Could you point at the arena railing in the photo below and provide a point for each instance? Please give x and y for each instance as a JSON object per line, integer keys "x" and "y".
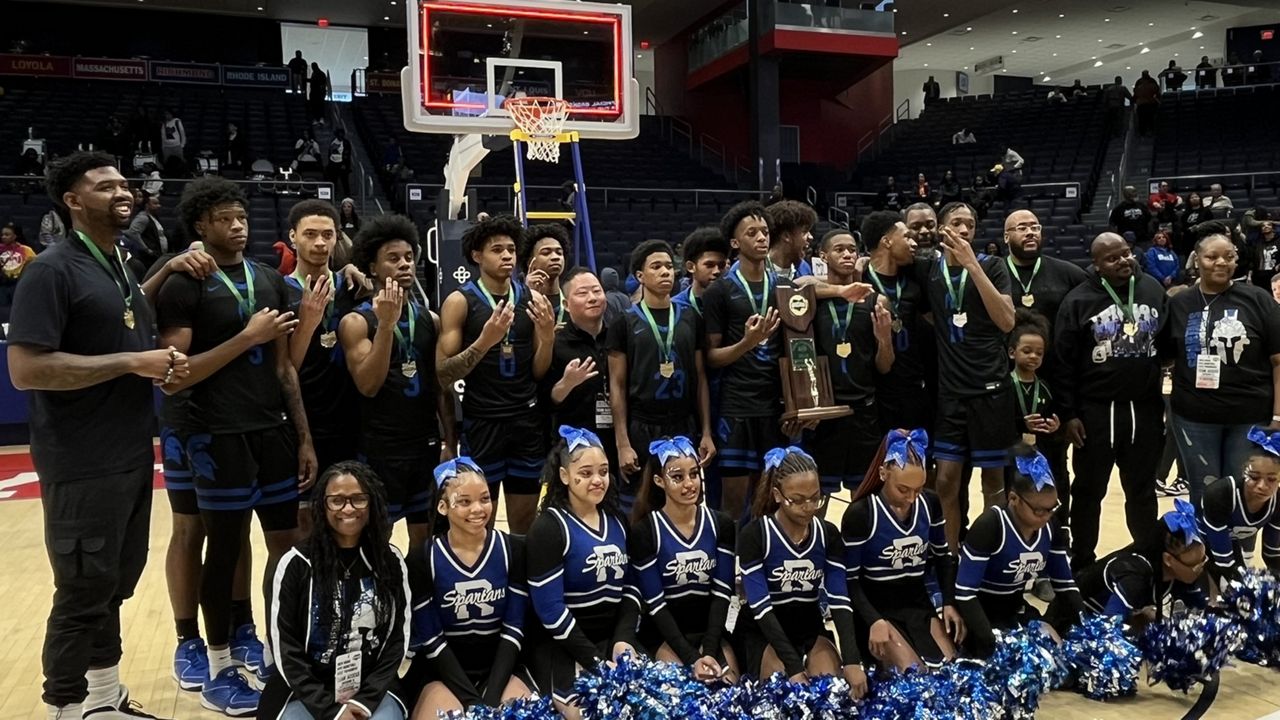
{"x": 426, "y": 192}
{"x": 276, "y": 186}
{"x": 855, "y": 201}
{"x": 1212, "y": 178}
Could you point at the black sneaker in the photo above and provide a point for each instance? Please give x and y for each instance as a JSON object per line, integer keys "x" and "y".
{"x": 125, "y": 708}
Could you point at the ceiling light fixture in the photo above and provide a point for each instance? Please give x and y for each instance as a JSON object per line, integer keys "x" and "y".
{"x": 1015, "y": 11}
{"x": 1197, "y": 35}
{"x": 1015, "y": 32}
{"x": 1144, "y": 51}
{"x": 926, "y": 64}
{"x": 1046, "y": 79}
{"x": 1106, "y": 19}
{"x": 1098, "y": 64}
{"x": 904, "y": 32}
{"x": 386, "y": 17}
{"x": 946, "y": 14}
{"x": 1061, "y": 15}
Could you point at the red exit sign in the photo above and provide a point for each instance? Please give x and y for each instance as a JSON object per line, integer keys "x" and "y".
{"x": 1268, "y": 34}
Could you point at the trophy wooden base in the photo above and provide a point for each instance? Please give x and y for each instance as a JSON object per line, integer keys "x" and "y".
{"x": 799, "y": 402}
{"x": 818, "y": 413}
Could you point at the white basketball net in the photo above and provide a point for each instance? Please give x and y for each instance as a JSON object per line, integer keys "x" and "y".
{"x": 542, "y": 119}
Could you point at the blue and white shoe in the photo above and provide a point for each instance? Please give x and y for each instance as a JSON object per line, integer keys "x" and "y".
{"x": 247, "y": 652}
{"x": 229, "y": 693}
{"x": 191, "y": 664}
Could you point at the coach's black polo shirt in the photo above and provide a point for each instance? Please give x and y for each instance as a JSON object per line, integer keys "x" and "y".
{"x": 69, "y": 303}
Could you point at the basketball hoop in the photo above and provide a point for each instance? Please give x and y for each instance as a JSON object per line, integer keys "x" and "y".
{"x": 541, "y": 119}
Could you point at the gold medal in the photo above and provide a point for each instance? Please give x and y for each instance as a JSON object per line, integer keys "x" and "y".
{"x": 844, "y": 349}
{"x": 1131, "y": 329}
{"x": 129, "y": 320}
{"x": 1028, "y": 300}
{"x": 897, "y": 325}
{"x": 508, "y": 351}
{"x": 409, "y": 369}
{"x": 328, "y": 340}
{"x": 666, "y": 369}
{"x": 960, "y": 319}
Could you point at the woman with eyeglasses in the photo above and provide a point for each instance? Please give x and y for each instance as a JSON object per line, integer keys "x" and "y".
{"x": 790, "y": 557}
{"x": 894, "y": 536}
{"x": 683, "y": 553}
{"x": 1234, "y": 509}
{"x": 1009, "y": 546}
{"x": 580, "y": 577}
{"x": 1136, "y": 582}
{"x": 1224, "y": 339}
{"x": 339, "y": 608}
{"x": 469, "y": 601}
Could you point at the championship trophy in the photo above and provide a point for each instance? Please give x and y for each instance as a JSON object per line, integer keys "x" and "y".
{"x": 806, "y": 380}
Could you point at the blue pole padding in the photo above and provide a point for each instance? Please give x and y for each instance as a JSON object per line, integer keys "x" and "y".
{"x": 584, "y": 218}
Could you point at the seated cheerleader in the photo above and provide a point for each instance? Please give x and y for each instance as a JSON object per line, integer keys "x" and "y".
{"x": 339, "y": 615}
{"x": 893, "y": 534}
{"x": 790, "y": 557}
{"x": 1009, "y": 547}
{"x": 683, "y": 553}
{"x": 580, "y": 578}
{"x": 1139, "y": 582}
{"x": 1233, "y": 509}
{"x": 469, "y": 601}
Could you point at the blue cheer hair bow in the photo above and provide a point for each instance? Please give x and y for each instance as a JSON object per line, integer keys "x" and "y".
{"x": 774, "y": 457}
{"x": 1182, "y": 520}
{"x": 1036, "y": 468}
{"x": 902, "y": 445}
{"x": 1265, "y": 439}
{"x": 449, "y": 469}
{"x": 577, "y": 438}
{"x": 678, "y": 446}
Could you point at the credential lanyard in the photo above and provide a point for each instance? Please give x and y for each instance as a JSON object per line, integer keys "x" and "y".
{"x": 406, "y": 346}
{"x": 248, "y": 306}
{"x": 666, "y": 345}
{"x": 126, "y": 291}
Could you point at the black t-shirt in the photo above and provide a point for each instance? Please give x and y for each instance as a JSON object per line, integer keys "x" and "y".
{"x": 499, "y": 388}
{"x": 400, "y": 420}
{"x": 175, "y": 409}
{"x": 972, "y": 360}
{"x": 328, "y": 393}
{"x": 1131, "y": 216}
{"x": 67, "y": 302}
{"x": 751, "y": 385}
{"x": 1031, "y": 398}
{"x": 914, "y": 344}
{"x": 579, "y": 407}
{"x": 651, "y": 397}
{"x": 1241, "y": 327}
{"x": 1050, "y": 285}
{"x": 853, "y": 376}
{"x": 244, "y": 395}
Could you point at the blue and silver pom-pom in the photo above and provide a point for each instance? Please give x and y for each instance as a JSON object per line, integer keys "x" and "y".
{"x": 778, "y": 698}
{"x": 635, "y": 687}
{"x": 1105, "y": 662}
{"x": 533, "y": 708}
{"x": 1189, "y": 648}
{"x": 1026, "y": 664}
{"x": 956, "y": 691}
{"x": 1253, "y": 599}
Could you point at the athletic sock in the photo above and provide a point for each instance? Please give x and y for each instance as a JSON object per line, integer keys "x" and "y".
{"x": 66, "y": 712}
{"x": 219, "y": 660}
{"x": 188, "y": 629}
{"x": 241, "y": 614}
{"x": 104, "y": 687}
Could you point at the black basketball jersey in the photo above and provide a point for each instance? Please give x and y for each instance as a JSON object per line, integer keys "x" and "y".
{"x": 500, "y": 385}
{"x": 750, "y": 386}
{"x": 400, "y": 421}
{"x": 844, "y": 334}
{"x": 912, "y": 336}
{"x": 328, "y": 393}
{"x": 244, "y": 395}
{"x": 653, "y": 395}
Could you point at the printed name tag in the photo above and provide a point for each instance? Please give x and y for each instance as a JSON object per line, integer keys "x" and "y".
{"x": 1208, "y": 371}
{"x": 604, "y": 414}
{"x": 346, "y": 676}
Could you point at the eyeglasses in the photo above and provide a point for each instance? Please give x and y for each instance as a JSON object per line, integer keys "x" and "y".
{"x": 1027, "y": 227}
{"x": 1039, "y": 511}
{"x": 818, "y": 502}
{"x": 336, "y": 502}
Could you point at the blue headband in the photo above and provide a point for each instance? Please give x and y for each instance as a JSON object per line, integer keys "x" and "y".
{"x": 678, "y": 446}
{"x": 1181, "y": 520}
{"x": 449, "y": 469}
{"x": 1269, "y": 441}
{"x": 774, "y": 457}
{"x": 902, "y": 445}
{"x": 1036, "y": 468}
{"x": 576, "y": 438}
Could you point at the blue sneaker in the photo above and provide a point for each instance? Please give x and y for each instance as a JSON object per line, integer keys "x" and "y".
{"x": 247, "y": 652}
{"x": 191, "y": 664}
{"x": 229, "y": 693}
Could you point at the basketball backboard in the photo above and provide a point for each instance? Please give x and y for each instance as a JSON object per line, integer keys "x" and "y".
{"x": 468, "y": 56}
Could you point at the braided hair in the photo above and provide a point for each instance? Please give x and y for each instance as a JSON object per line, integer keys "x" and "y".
{"x": 794, "y": 463}
{"x": 438, "y": 522}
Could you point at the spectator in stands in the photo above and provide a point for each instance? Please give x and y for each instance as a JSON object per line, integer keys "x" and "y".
{"x": 1266, "y": 247}
{"x": 338, "y": 169}
{"x": 149, "y": 231}
{"x": 1258, "y": 72}
{"x": 297, "y": 73}
{"x": 963, "y": 137}
{"x": 932, "y": 91}
{"x": 1114, "y": 97}
{"x": 1164, "y": 205}
{"x": 114, "y": 139}
{"x": 1055, "y": 96}
{"x": 1161, "y": 262}
{"x": 14, "y": 256}
{"x": 1218, "y": 205}
{"x": 949, "y": 190}
{"x": 1173, "y": 77}
{"x": 992, "y": 249}
{"x": 154, "y": 184}
{"x": 1078, "y": 89}
{"x": 1232, "y": 73}
{"x": 1206, "y": 73}
{"x": 173, "y": 141}
{"x": 889, "y": 198}
{"x": 1252, "y": 220}
{"x": 921, "y": 193}
{"x": 619, "y": 302}
{"x": 29, "y": 163}
{"x": 236, "y": 148}
{"x": 1146, "y": 100}
{"x": 1012, "y": 160}
{"x": 142, "y": 131}
{"x": 1008, "y": 183}
{"x": 349, "y": 220}
{"x": 286, "y": 257}
{"x": 1193, "y": 215}
{"x": 1275, "y": 287}
{"x": 1130, "y": 215}
{"x": 307, "y": 153}
{"x": 53, "y": 229}
{"x": 319, "y": 94}
{"x": 392, "y": 157}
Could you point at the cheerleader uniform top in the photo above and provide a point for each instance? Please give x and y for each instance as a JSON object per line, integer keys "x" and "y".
{"x": 1225, "y": 521}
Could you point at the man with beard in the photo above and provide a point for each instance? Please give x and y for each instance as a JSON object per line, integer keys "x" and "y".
{"x": 1108, "y": 386}
{"x": 543, "y": 252}
{"x": 83, "y": 342}
{"x": 922, "y": 228}
{"x": 499, "y": 335}
{"x": 1039, "y": 285}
